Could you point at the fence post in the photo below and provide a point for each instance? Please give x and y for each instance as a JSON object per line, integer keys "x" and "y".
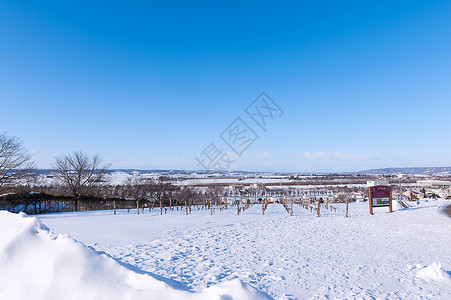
{"x": 319, "y": 205}
{"x": 347, "y": 206}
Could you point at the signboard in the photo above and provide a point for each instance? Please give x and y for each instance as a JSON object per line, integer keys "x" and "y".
{"x": 380, "y": 195}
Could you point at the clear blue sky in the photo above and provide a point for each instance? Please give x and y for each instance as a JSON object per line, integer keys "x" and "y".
{"x": 149, "y": 85}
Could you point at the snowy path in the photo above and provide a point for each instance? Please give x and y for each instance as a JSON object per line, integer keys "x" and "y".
{"x": 294, "y": 257}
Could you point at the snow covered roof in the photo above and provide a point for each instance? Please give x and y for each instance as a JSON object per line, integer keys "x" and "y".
{"x": 377, "y": 182}
{"x": 432, "y": 182}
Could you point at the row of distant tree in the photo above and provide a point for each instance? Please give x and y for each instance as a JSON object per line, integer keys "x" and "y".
{"x": 79, "y": 177}
{"x": 82, "y": 182}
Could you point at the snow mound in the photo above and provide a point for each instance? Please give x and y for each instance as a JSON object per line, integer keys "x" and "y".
{"x": 37, "y": 264}
{"x": 396, "y": 205}
{"x": 434, "y": 272}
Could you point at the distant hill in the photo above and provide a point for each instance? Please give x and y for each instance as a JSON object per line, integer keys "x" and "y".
{"x": 408, "y": 170}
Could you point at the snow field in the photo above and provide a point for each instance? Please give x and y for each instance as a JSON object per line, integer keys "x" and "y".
{"x": 37, "y": 264}
{"x": 298, "y": 257}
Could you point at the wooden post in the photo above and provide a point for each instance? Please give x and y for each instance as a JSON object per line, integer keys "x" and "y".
{"x": 347, "y": 206}
{"x": 161, "y": 209}
{"x": 186, "y": 208}
{"x": 137, "y": 206}
{"x": 370, "y": 201}
{"x": 391, "y": 207}
{"x": 114, "y": 206}
{"x": 319, "y": 205}
{"x": 291, "y": 207}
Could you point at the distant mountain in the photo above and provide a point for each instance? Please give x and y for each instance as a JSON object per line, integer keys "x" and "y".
{"x": 172, "y": 171}
{"x": 408, "y": 170}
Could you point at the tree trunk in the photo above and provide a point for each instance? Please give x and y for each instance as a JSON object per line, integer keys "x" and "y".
{"x": 347, "y": 207}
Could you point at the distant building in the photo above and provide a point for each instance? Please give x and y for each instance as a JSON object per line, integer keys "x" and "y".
{"x": 236, "y": 188}
{"x": 440, "y": 184}
{"x": 261, "y": 186}
{"x": 357, "y": 197}
{"x": 377, "y": 182}
{"x": 412, "y": 195}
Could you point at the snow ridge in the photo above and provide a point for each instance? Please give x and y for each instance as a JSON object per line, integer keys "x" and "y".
{"x": 35, "y": 263}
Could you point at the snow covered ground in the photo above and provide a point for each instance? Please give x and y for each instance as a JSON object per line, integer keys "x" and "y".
{"x": 404, "y": 255}
{"x": 38, "y": 264}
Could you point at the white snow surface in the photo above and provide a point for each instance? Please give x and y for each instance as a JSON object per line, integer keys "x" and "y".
{"x": 434, "y": 272}
{"x": 37, "y": 264}
{"x": 297, "y": 257}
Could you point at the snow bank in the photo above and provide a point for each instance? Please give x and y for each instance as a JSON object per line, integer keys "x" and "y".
{"x": 434, "y": 272}
{"x": 37, "y": 264}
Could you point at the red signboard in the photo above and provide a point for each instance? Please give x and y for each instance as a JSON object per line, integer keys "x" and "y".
{"x": 380, "y": 196}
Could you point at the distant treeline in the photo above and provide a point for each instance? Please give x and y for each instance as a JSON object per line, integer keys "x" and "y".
{"x": 42, "y": 202}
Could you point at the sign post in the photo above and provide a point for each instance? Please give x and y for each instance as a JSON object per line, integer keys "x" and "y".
{"x": 380, "y": 196}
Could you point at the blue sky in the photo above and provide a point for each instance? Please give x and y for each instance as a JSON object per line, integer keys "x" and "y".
{"x": 150, "y": 85}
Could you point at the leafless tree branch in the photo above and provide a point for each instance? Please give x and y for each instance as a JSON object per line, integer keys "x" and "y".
{"x": 15, "y": 161}
{"x": 80, "y": 173}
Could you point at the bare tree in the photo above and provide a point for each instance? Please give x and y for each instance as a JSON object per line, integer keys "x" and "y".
{"x": 157, "y": 190}
{"x": 136, "y": 189}
{"x": 114, "y": 192}
{"x": 213, "y": 193}
{"x": 183, "y": 196}
{"x": 80, "y": 173}
{"x": 15, "y": 161}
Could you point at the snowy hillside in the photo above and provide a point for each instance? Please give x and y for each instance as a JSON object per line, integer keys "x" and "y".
{"x": 37, "y": 264}
{"x": 401, "y": 255}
